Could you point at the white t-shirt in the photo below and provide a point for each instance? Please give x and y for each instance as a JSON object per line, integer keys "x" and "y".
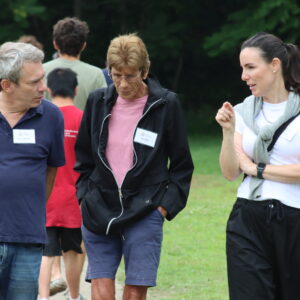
{"x": 286, "y": 151}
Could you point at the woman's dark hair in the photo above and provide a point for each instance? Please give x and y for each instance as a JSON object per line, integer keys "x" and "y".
{"x": 271, "y": 46}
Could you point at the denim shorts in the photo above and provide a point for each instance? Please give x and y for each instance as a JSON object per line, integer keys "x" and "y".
{"x": 19, "y": 270}
{"x": 140, "y": 245}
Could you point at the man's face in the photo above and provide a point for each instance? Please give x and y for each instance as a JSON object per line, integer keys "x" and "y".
{"x": 29, "y": 91}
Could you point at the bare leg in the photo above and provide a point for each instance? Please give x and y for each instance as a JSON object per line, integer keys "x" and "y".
{"x": 103, "y": 289}
{"x": 73, "y": 266}
{"x": 45, "y": 276}
{"x": 134, "y": 292}
{"x": 56, "y": 268}
{"x": 83, "y": 255}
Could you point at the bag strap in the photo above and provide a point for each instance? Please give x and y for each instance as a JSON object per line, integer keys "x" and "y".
{"x": 277, "y": 134}
{"x": 280, "y": 130}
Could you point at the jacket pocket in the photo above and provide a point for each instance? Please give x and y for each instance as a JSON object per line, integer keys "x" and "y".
{"x": 145, "y": 199}
{"x": 95, "y": 212}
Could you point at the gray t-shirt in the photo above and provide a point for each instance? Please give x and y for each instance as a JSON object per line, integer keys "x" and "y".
{"x": 89, "y": 78}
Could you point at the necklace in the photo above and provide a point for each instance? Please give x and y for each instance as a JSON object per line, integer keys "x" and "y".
{"x": 268, "y": 121}
{"x": 263, "y": 113}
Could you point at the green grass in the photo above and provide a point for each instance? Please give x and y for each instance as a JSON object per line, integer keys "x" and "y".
{"x": 205, "y": 151}
{"x": 193, "y": 262}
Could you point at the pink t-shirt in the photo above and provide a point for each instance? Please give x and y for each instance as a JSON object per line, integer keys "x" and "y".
{"x": 122, "y": 123}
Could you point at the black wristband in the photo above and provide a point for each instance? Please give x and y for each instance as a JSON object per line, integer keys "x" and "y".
{"x": 260, "y": 169}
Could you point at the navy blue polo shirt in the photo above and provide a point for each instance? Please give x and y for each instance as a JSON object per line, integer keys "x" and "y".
{"x": 36, "y": 142}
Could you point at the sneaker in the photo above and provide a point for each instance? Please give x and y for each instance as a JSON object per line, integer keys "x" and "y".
{"x": 57, "y": 286}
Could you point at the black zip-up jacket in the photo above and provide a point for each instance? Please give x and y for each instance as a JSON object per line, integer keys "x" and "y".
{"x": 160, "y": 175}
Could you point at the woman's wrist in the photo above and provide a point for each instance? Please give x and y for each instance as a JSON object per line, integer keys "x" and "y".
{"x": 260, "y": 167}
{"x": 228, "y": 131}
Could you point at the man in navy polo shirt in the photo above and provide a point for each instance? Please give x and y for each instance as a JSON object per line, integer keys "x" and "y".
{"x": 31, "y": 148}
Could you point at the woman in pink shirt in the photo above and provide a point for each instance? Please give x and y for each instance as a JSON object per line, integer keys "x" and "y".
{"x": 136, "y": 167}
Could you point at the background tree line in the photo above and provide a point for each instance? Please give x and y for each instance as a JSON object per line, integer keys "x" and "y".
{"x": 193, "y": 45}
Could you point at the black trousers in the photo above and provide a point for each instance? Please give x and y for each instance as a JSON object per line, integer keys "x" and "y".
{"x": 263, "y": 251}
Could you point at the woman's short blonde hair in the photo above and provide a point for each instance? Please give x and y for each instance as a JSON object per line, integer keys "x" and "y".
{"x": 128, "y": 51}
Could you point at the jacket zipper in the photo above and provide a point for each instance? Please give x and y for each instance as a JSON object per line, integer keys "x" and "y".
{"x": 119, "y": 187}
{"x": 135, "y": 155}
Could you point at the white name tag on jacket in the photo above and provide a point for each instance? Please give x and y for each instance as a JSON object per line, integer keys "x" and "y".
{"x": 145, "y": 137}
{"x": 24, "y": 136}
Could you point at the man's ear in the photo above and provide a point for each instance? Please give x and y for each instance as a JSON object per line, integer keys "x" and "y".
{"x": 55, "y": 45}
{"x": 7, "y": 85}
{"x": 83, "y": 46}
{"x": 76, "y": 91}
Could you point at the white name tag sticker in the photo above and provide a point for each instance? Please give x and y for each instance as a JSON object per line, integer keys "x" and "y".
{"x": 24, "y": 136}
{"x": 145, "y": 137}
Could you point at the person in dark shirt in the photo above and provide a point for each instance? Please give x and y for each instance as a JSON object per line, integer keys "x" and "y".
{"x": 128, "y": 134}
{"x": 32, "y": 147}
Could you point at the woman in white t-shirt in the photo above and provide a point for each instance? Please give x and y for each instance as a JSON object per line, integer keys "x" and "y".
{"x": 263, "y": 230}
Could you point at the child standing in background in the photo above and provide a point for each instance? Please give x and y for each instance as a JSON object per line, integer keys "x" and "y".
{"x": 63, "y": 212}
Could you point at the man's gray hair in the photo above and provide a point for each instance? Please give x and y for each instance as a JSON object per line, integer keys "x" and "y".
{"x": 13, "y": 55}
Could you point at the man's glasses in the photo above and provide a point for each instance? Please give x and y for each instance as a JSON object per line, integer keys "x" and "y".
{"x": 127, "y": 78}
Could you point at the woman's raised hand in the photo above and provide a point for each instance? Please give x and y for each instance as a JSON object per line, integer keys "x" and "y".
{"x": 226, "y": 117}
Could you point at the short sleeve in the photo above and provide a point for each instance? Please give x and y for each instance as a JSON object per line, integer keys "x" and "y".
{"x": 56, "y": 157}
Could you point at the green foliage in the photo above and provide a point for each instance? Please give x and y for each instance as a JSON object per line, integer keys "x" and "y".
{"x": 15, "y": 15}
{"x": 278, "y": 16}
{"x": 23, "y": 9}
{"x": 193, "y": 45}
{"x": 173, "y": 31}
{"x": 201, "y": 120}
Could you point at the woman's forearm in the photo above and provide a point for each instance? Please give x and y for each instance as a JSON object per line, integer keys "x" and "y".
{"x": 229, "y": 162}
